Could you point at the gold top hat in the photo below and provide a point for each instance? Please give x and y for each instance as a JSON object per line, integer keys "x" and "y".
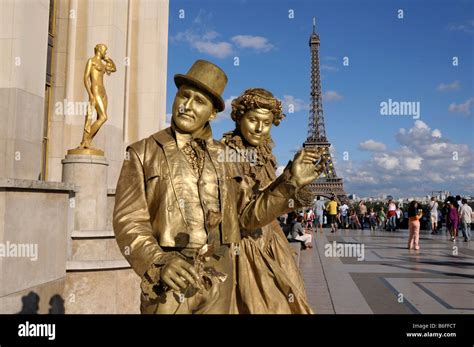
{"x": 208, "y": 77}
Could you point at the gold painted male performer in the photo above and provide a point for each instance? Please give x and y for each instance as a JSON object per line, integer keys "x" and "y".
{"x": 177, "y": 213}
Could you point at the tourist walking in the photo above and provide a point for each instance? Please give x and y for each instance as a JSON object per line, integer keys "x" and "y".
{"x": 344, "y": 215}
{"x": 399, "y": 215}
{"x": 372, "y": 219}
{"x": 453, "y": 219}
{"x": 355, "y": 223}
{"x": 382, "y": 218}
{"x": 465, "y": 218}
{"x": 433, "y": 207}
{"x": 332, "y": 212}
{"x": 309, "y": 218}
{"x": 414, "y": 214}
{"x": 362, "y": 213}
{"x": 319, "y": 208}
{"x": 392, "y": 216}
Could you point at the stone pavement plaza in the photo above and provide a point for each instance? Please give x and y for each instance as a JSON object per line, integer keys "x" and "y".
{"x": 390, "y": 278}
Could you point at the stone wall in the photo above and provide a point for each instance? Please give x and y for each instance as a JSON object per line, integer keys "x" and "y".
{"x": 75, "y": 271}
{"x": 23, "y": 53}
{"x": 37, "y": 214}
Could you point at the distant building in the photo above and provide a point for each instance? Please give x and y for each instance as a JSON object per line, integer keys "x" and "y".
{"x": 440, "y": 194}
{"x": 353, "y": 197}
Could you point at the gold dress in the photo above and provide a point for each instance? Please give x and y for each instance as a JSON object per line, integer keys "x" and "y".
{"x": 267, "y": 277}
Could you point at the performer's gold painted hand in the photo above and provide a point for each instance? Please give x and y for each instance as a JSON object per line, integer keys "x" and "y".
{"x": 179, "y": 274}
{"x": 307, "y": 165}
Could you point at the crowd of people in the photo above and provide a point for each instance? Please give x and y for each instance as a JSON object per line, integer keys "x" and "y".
{"x": 454, "y": 213}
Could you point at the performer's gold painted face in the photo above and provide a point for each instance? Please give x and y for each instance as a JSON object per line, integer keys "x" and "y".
{"x": 255, "y": 125}
{"x": 192, "y": 109}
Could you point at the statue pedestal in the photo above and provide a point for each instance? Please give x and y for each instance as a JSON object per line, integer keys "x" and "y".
{"x": 89, "y": 173}
{"x": 94, "y": 259}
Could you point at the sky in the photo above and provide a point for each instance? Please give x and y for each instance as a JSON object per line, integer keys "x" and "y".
{"x": 417, "y": 52}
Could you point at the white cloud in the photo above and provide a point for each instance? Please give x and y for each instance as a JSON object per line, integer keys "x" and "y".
{"x": 419, "y": 132}
{"x": 465, "y": 107}
{"x": 289, "y": 101}
{"x": 435, "y": 149}
{"x": 412, "y": 163}
{"x": 215, "y": 49}
{"x": 208, "y": 42}
{"x": 435, "y": 177}
{"x": 228, "y": 109}
{"x": 205, "y": 43}
{"x": 332, "y": 95}
{"x": 444, "y": 87}
{"x": 467, "y": 27}
{"x": 187, "y": 36}
{"x": 202, "y": 17}
{"x": 419, "y": 124}
{"x": 257, "y": 43}
{"x": 436, "y": 133}
{"x": 210, "y": 35}
{"x": 371, "y": 145}
{"x": 279, "y": 170}
{"x": 423, "y": 161}
{"x": 386, "y": 162}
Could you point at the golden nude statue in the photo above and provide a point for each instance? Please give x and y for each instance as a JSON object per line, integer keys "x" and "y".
{"x": 96, "y": 66}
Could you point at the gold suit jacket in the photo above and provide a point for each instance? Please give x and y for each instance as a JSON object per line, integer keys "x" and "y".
{"x": 148, "y": 214}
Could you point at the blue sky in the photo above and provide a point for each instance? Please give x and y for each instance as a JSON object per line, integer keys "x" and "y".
{"x": 407, "y": 59}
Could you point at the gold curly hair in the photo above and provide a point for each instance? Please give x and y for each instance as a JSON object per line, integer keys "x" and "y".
{"x": 254, "y": 98}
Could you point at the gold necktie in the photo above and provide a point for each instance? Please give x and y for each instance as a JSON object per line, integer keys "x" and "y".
{"x": 194, "y": 153}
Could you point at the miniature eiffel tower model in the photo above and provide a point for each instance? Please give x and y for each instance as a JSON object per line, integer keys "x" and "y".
{"x": 328, "y": 184}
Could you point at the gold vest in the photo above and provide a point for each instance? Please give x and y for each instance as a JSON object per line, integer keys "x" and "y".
{"x": 200, "y": 195}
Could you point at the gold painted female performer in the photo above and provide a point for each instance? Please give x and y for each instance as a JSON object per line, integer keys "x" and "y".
{"x": 267, "y": 277}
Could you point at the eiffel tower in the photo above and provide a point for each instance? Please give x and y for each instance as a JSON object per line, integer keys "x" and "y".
{"x": 328, "y": 184}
